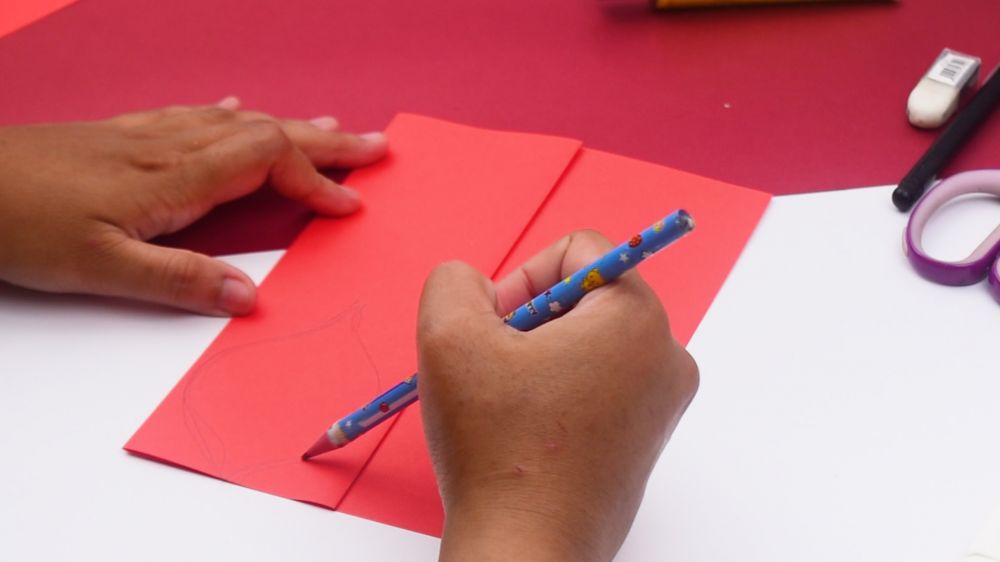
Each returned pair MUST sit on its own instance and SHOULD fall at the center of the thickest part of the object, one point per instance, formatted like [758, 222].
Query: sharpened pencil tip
[321, 446]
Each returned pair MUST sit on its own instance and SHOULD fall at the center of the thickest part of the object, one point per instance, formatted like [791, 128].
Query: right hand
[542, 441]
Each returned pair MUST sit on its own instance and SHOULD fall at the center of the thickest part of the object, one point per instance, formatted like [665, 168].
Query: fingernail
[236, 297]
[350, 191]
[373, 137]
[326, 122]
[229, 102]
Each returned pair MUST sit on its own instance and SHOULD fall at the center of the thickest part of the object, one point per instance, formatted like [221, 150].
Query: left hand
[79, 200]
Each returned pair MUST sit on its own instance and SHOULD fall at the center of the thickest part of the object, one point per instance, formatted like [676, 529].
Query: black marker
[912, 186]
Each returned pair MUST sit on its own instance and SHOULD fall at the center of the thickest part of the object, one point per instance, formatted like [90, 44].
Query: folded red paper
[335, 320]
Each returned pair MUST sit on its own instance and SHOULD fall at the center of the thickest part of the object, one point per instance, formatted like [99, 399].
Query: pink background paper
[779, 98]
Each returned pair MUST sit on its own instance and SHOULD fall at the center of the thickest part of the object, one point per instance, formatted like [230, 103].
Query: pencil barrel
[564, 295]
[378, 410]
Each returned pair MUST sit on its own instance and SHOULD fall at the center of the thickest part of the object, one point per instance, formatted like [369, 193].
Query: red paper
[15, 14]
[335, 320]
[336, 317]
[617, 196]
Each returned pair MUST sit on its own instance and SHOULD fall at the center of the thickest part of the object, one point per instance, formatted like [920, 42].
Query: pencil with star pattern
[552, 303]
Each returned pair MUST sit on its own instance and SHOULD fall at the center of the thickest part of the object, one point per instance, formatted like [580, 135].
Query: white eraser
[936, 96]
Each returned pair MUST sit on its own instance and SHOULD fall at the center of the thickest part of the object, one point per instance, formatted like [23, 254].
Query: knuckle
[266, 135]
[449, 270]
[180, 275]
[141, 132]
[126, 120]
[157, 159]
[438, 328]
[441, 342]
[589, 235]
[436, 334]
[687, 373]
[217, 114]
[93, 252]
[249, 115]
[448, 274]
[338, 141]
[637, 303]
[165, 113]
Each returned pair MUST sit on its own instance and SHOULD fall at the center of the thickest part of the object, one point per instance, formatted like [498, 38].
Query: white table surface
[848, 411]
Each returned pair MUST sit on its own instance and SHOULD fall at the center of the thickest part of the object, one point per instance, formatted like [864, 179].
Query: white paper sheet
[847, 412]
[848, 408]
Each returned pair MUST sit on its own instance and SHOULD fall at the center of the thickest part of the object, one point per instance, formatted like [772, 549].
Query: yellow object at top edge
[692, 3]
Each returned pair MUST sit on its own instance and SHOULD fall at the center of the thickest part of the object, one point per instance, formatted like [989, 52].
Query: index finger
[259, 152]
[548, 267]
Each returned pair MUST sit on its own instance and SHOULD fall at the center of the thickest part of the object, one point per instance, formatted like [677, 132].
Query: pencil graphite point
[321, 446]
[333, 438]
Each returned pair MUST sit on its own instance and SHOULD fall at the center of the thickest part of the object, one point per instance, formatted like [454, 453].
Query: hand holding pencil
[560, 297]
[542, 436]
[542, 441]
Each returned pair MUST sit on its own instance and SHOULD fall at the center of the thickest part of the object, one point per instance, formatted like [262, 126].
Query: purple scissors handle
[982, 262]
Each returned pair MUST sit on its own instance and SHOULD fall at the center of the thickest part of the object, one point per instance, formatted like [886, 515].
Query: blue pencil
[552, 303]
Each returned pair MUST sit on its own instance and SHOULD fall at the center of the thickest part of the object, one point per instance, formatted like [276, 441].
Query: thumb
[177, 278]
[457, 302]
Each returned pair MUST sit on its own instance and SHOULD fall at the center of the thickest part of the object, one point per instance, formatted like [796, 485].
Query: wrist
[512, 523]
[488, 535]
